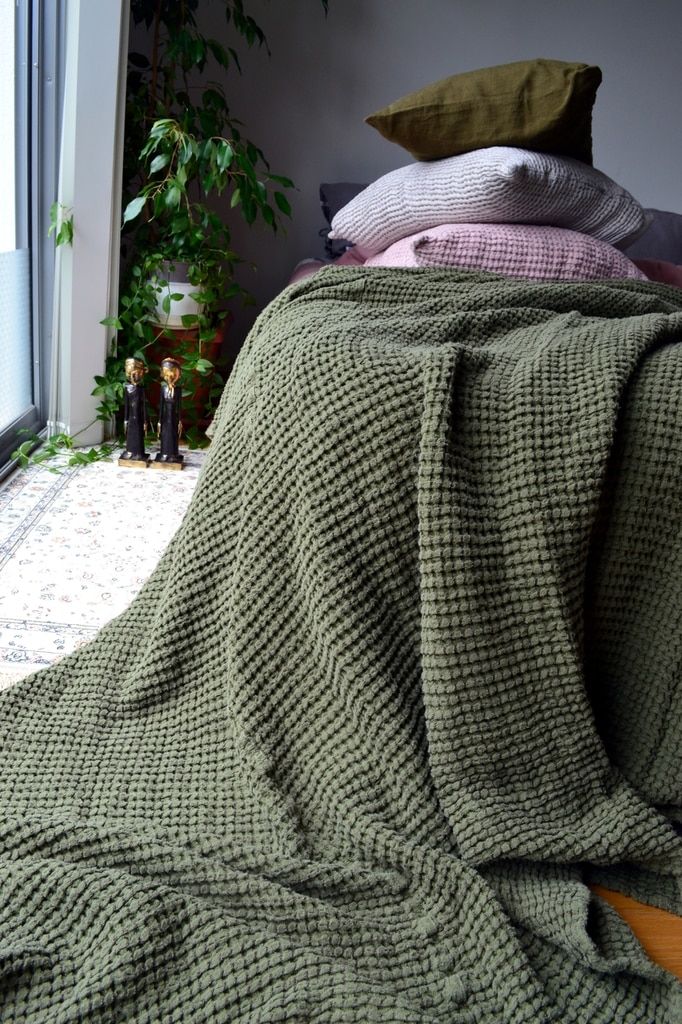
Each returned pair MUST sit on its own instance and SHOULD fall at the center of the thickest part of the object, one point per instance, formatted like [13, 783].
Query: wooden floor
[659, 932]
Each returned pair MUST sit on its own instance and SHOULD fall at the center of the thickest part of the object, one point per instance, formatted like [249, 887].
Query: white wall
[305, 105]
[86, 273]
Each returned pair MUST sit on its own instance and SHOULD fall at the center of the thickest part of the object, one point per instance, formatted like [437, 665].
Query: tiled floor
[75, 549]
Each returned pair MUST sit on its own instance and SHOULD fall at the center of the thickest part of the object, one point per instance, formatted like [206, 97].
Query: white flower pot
[184, 306]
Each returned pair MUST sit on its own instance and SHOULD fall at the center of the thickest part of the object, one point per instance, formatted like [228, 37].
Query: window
[30, 93]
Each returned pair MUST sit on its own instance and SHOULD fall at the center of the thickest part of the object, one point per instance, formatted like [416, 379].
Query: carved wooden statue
[134, 416]
[170, 424]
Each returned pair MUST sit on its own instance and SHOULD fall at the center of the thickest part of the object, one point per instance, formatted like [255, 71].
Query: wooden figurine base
[160, 464]
[134, 463]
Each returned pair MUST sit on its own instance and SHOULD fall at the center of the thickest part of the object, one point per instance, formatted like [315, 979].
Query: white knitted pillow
[494, 185]
[531, 251]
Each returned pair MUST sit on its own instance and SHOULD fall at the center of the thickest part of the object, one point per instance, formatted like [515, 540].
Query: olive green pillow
[544, 105]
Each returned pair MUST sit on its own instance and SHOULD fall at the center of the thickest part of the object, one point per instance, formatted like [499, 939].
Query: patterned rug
[75, 549]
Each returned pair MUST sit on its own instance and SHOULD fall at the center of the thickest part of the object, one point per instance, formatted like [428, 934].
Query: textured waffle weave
[496, 185]
[409, 667]
[531, 251]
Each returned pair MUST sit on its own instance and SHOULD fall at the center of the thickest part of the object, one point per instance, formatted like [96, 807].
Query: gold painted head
[170, 371]
[135, 370]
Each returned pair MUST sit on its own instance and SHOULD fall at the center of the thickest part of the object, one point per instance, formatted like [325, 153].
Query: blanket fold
[406, 678]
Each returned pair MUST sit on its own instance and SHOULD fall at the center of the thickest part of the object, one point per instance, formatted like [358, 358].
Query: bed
[403, 692]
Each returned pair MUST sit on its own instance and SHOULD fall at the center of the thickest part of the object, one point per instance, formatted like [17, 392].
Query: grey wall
[306, 103]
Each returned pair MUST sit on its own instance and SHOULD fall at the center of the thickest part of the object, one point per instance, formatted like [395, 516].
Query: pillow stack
[504, 173]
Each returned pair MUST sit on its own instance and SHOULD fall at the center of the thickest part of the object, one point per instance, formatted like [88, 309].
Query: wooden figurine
[170, 424]
[134, 416]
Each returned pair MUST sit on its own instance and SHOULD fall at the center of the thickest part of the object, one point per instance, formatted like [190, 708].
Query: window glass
[16, 386]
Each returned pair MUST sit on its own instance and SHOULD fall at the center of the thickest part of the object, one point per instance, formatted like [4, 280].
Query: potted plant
[183, 149]
[192, 150]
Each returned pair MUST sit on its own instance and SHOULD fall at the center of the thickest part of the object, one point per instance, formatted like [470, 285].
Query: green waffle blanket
[406, 679]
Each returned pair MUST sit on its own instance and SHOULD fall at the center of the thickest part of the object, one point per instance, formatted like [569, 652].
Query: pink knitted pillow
[515, 250]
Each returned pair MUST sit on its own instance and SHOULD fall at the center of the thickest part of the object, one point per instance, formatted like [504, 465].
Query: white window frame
[31, 418]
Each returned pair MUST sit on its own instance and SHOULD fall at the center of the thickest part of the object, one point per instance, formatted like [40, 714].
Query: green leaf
[23, 450]
[247, 167]
[198, 51]
[60, 226]
[54, 216]
[236, 198]
[248, 209]
[283, 203]
[214, 98]
[281, 180]
[134, 207]
[160, 127]
[193, 437]
[187, 151]
[219, 52]
[225, 154]
[65, 234]
[204, 365]
[235, 57]
[159, 162]
[173, 196]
